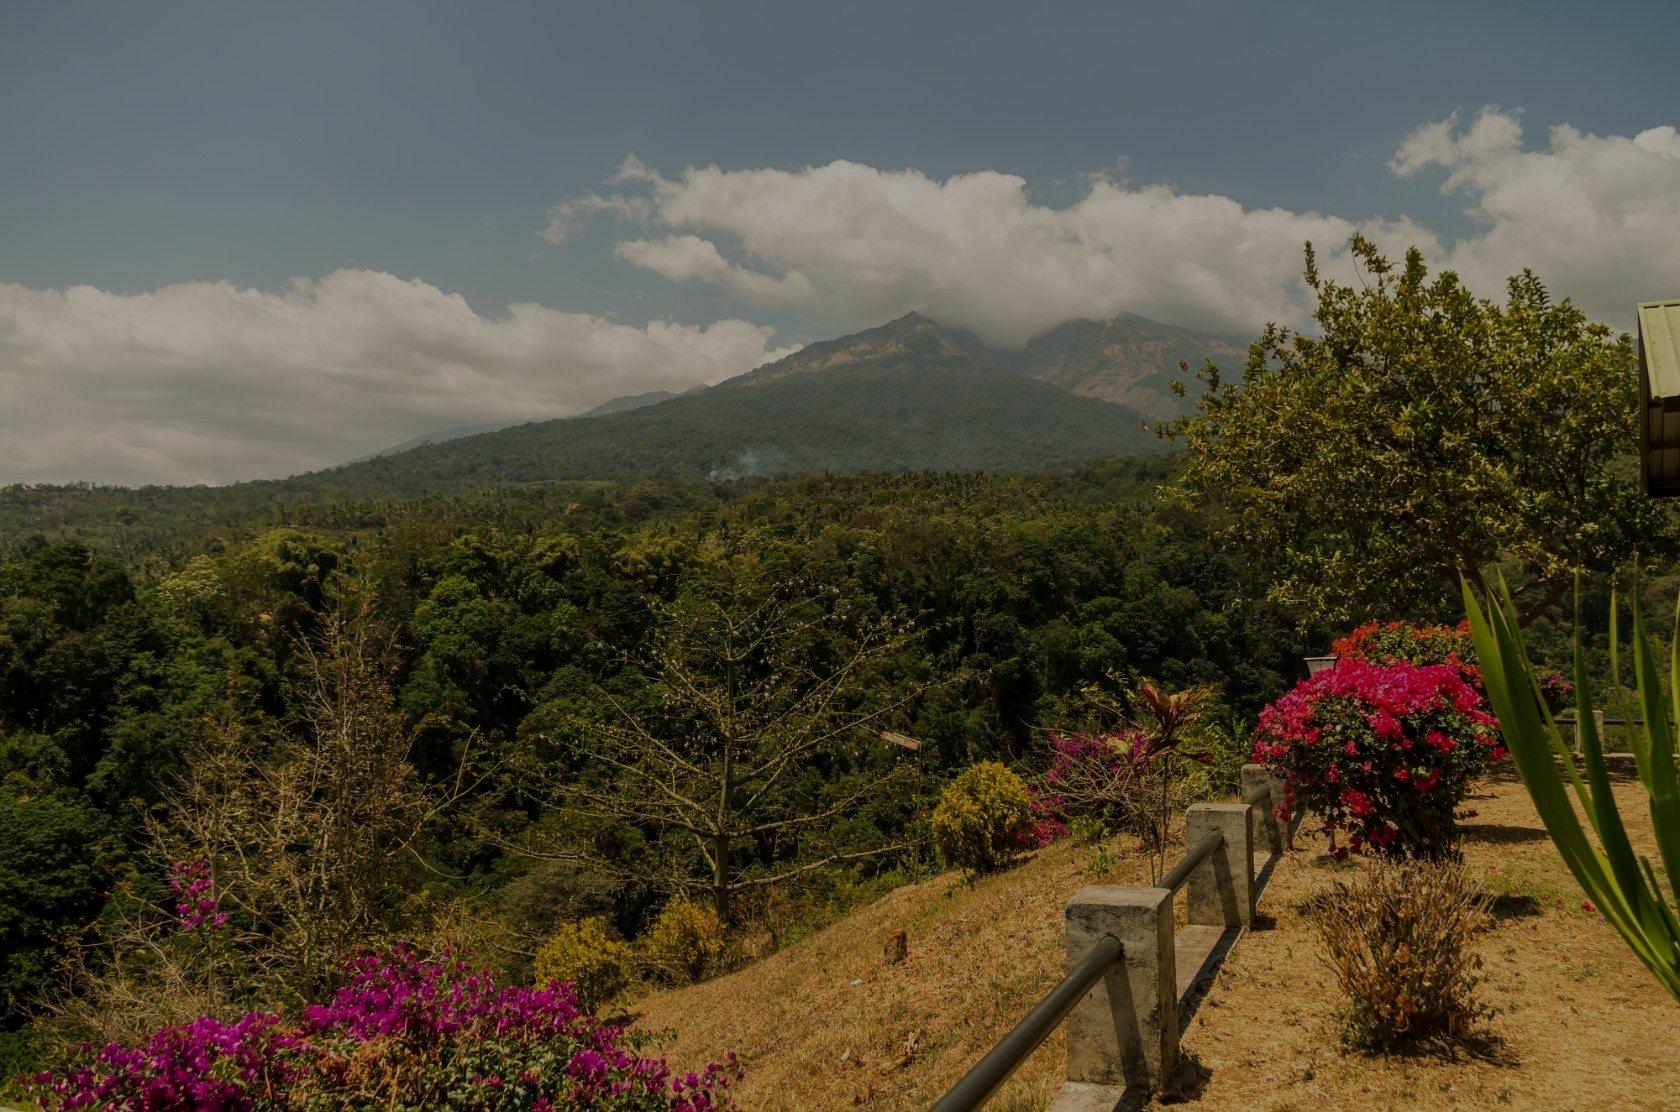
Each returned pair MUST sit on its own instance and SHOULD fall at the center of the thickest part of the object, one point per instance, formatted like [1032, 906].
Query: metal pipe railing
[1193, 856]
[979, 1083]
[988, 1075]
[1571, 720]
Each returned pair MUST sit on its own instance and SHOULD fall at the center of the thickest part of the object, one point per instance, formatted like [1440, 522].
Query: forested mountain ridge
[903, 397]
[629, 401]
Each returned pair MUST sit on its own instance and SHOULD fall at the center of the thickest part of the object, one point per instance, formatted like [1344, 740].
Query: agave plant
[1621, 884]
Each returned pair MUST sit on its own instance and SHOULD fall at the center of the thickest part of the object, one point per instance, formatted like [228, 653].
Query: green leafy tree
[1423, 434]
[51, 878]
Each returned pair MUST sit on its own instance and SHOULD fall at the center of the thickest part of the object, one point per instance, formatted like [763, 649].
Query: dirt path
[1581, 1024]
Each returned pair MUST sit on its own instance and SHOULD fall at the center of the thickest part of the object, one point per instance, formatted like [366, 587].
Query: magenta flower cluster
[1097, 775]
[1385, 750]
[402, 1030]
[206, 1064]
[196, 905]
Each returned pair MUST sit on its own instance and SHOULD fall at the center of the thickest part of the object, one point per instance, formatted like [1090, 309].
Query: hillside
[628, 401]
[436, 437]
[825, 1024]
[906, 396]
[1129, 359]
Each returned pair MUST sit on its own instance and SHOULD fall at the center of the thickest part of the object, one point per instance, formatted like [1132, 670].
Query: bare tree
[751, 733]
[304, 831]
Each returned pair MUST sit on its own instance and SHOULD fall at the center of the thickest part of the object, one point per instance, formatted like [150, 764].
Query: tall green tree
[1423, 434]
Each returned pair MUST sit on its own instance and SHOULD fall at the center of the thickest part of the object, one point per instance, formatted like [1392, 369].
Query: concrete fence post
[1598, 721]
[1221, 892]
[1125, 1031]
[1272, 831]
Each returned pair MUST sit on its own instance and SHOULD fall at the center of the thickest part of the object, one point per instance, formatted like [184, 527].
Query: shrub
[1399, 942]
[1403, 642]
[984, 817]
[587, 957]
[403, 1032]
[685, 942]
[1102, 778]
[1387, 751]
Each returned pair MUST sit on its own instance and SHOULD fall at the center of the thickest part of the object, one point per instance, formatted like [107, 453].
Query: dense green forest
[503, 635]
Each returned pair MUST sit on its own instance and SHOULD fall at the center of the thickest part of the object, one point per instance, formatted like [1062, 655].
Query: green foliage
[1223, 744]
[586, 954]
[984, 818]
[525, 618]
[685, 942]
[1421, 435]
[1620, 883]
[51, 879]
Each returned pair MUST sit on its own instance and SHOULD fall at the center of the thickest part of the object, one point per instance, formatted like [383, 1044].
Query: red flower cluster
[1392, 642]
[1385, 750]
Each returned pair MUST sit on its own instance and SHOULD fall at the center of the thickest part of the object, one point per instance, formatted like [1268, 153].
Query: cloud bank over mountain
[1598, 217]
[209, 382]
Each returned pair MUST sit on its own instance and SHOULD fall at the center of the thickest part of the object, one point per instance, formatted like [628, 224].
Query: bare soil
[829, 1023]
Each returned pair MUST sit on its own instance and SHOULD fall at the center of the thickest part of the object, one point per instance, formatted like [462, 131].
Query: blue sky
[151, 149]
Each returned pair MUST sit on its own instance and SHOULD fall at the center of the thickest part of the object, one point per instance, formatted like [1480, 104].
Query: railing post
[1221, 892]
[1125, 1031]
[1598, 723]
[1273, 831]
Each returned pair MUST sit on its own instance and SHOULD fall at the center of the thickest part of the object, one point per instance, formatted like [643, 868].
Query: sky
[242, 241]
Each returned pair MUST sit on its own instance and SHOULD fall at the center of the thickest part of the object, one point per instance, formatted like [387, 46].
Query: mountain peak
[1128, 359]
[911, 339]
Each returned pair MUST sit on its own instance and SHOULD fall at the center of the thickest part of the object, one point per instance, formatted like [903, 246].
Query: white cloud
[208, 382]
[1596, 217]
[682, 257]
[973, 250]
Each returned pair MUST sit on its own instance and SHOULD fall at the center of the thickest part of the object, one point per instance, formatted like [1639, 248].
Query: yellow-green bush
[685, 942]
[984, 817]
[587, 955]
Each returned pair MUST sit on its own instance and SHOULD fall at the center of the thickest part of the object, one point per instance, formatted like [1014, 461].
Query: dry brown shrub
[1400, 941]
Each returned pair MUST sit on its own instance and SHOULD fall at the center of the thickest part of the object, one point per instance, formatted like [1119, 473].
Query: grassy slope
[1580, 1025]
[826, 1023]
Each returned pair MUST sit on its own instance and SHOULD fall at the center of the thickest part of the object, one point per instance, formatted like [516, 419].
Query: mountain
[611, 405]
[909, 395]
[628, 401]
[1129, 359]
[436, 437]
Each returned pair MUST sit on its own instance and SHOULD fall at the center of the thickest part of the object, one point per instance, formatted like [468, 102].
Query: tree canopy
[1422, 434]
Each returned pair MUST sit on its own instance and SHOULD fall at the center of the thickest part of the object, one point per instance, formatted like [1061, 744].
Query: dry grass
[827, 1023]
[831, 1021]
